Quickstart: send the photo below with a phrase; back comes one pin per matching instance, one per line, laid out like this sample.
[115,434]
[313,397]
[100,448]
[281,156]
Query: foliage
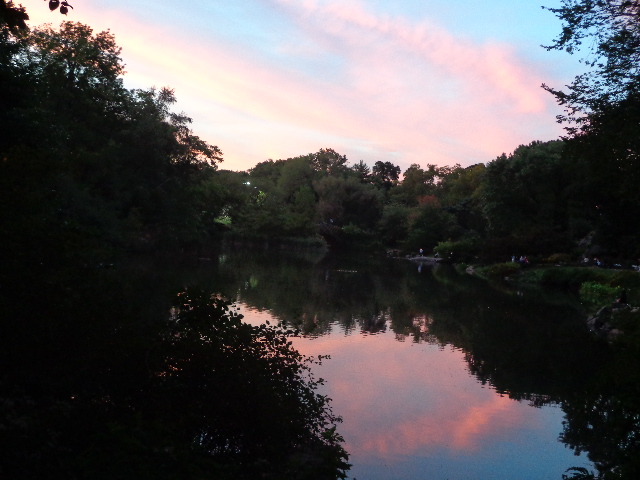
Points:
[462,250]
[12,16]
[609,147]
[565,278]
[394,224]
[344,201]
[89,165]
[578,473]
[556,258]
[386,173]
[500,270]
[328,161]
[64,6]
[597,294]
[602,111]
[528,189]
[353,237]
[572,278]
[122,382]
[289,429]
[428,224]
[417,182]
[610,31]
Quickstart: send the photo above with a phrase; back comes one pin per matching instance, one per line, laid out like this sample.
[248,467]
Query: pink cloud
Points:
[401,91]
[491,65]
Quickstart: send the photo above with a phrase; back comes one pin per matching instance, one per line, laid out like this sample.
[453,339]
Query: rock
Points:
[613,334]
[599,323]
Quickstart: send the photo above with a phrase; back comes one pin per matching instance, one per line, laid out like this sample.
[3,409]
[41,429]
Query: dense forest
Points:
[90,167]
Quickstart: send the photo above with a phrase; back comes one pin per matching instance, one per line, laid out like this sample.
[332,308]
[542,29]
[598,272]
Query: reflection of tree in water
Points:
[543,354]
[531,347]
[608,430]
[314,296]
[603,419]
[98,383]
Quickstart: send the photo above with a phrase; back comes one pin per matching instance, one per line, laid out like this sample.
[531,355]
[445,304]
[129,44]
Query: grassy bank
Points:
[613,295]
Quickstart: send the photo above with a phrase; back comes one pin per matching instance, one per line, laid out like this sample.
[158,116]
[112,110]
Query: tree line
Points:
[89,166]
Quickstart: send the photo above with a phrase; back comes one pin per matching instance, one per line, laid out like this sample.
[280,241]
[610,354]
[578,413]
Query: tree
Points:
[88,164]
[344,201]
[429,224]
[13,17]
[603,111]
[460,191]
[386,172]
[270,421]
[329,162]
[417,182]
[362,171]
[394,224]
[531,198]
[609,151]
[610,31]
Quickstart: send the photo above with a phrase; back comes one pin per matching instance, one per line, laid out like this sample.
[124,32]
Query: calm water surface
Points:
[437,375]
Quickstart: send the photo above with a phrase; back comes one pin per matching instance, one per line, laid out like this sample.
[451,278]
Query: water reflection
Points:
[435,374]
[411,352]
[426,366]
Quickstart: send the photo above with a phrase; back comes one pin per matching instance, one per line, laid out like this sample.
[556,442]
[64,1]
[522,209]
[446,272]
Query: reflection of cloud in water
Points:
[255,316]
[403,399]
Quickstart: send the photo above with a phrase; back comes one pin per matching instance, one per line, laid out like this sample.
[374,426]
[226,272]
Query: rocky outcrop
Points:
[600,323]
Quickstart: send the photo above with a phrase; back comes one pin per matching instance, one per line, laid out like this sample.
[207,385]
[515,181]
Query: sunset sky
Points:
[403,81]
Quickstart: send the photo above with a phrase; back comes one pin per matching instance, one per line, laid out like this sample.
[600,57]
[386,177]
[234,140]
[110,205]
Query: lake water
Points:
[436,375]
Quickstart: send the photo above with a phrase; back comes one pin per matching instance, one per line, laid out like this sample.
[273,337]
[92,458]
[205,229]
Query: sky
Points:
[424,82]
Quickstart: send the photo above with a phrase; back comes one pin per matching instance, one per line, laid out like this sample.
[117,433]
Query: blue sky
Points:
[405,81]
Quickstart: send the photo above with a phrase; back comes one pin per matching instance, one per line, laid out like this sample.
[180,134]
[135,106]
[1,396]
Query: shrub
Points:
[597,294]
[353,237]
[626,279]
[461,250]
[500,270]
[571,277]
[558,258]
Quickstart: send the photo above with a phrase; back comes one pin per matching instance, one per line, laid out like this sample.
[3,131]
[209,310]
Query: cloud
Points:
[340,75]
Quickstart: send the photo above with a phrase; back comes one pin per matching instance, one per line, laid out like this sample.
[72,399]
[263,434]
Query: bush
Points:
[459,251]
[353,237]
[597,294]
[558,258]
[500,270]
[571,277]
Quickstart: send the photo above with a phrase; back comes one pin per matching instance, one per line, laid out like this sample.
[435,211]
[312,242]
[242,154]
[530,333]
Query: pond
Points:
[436,374]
